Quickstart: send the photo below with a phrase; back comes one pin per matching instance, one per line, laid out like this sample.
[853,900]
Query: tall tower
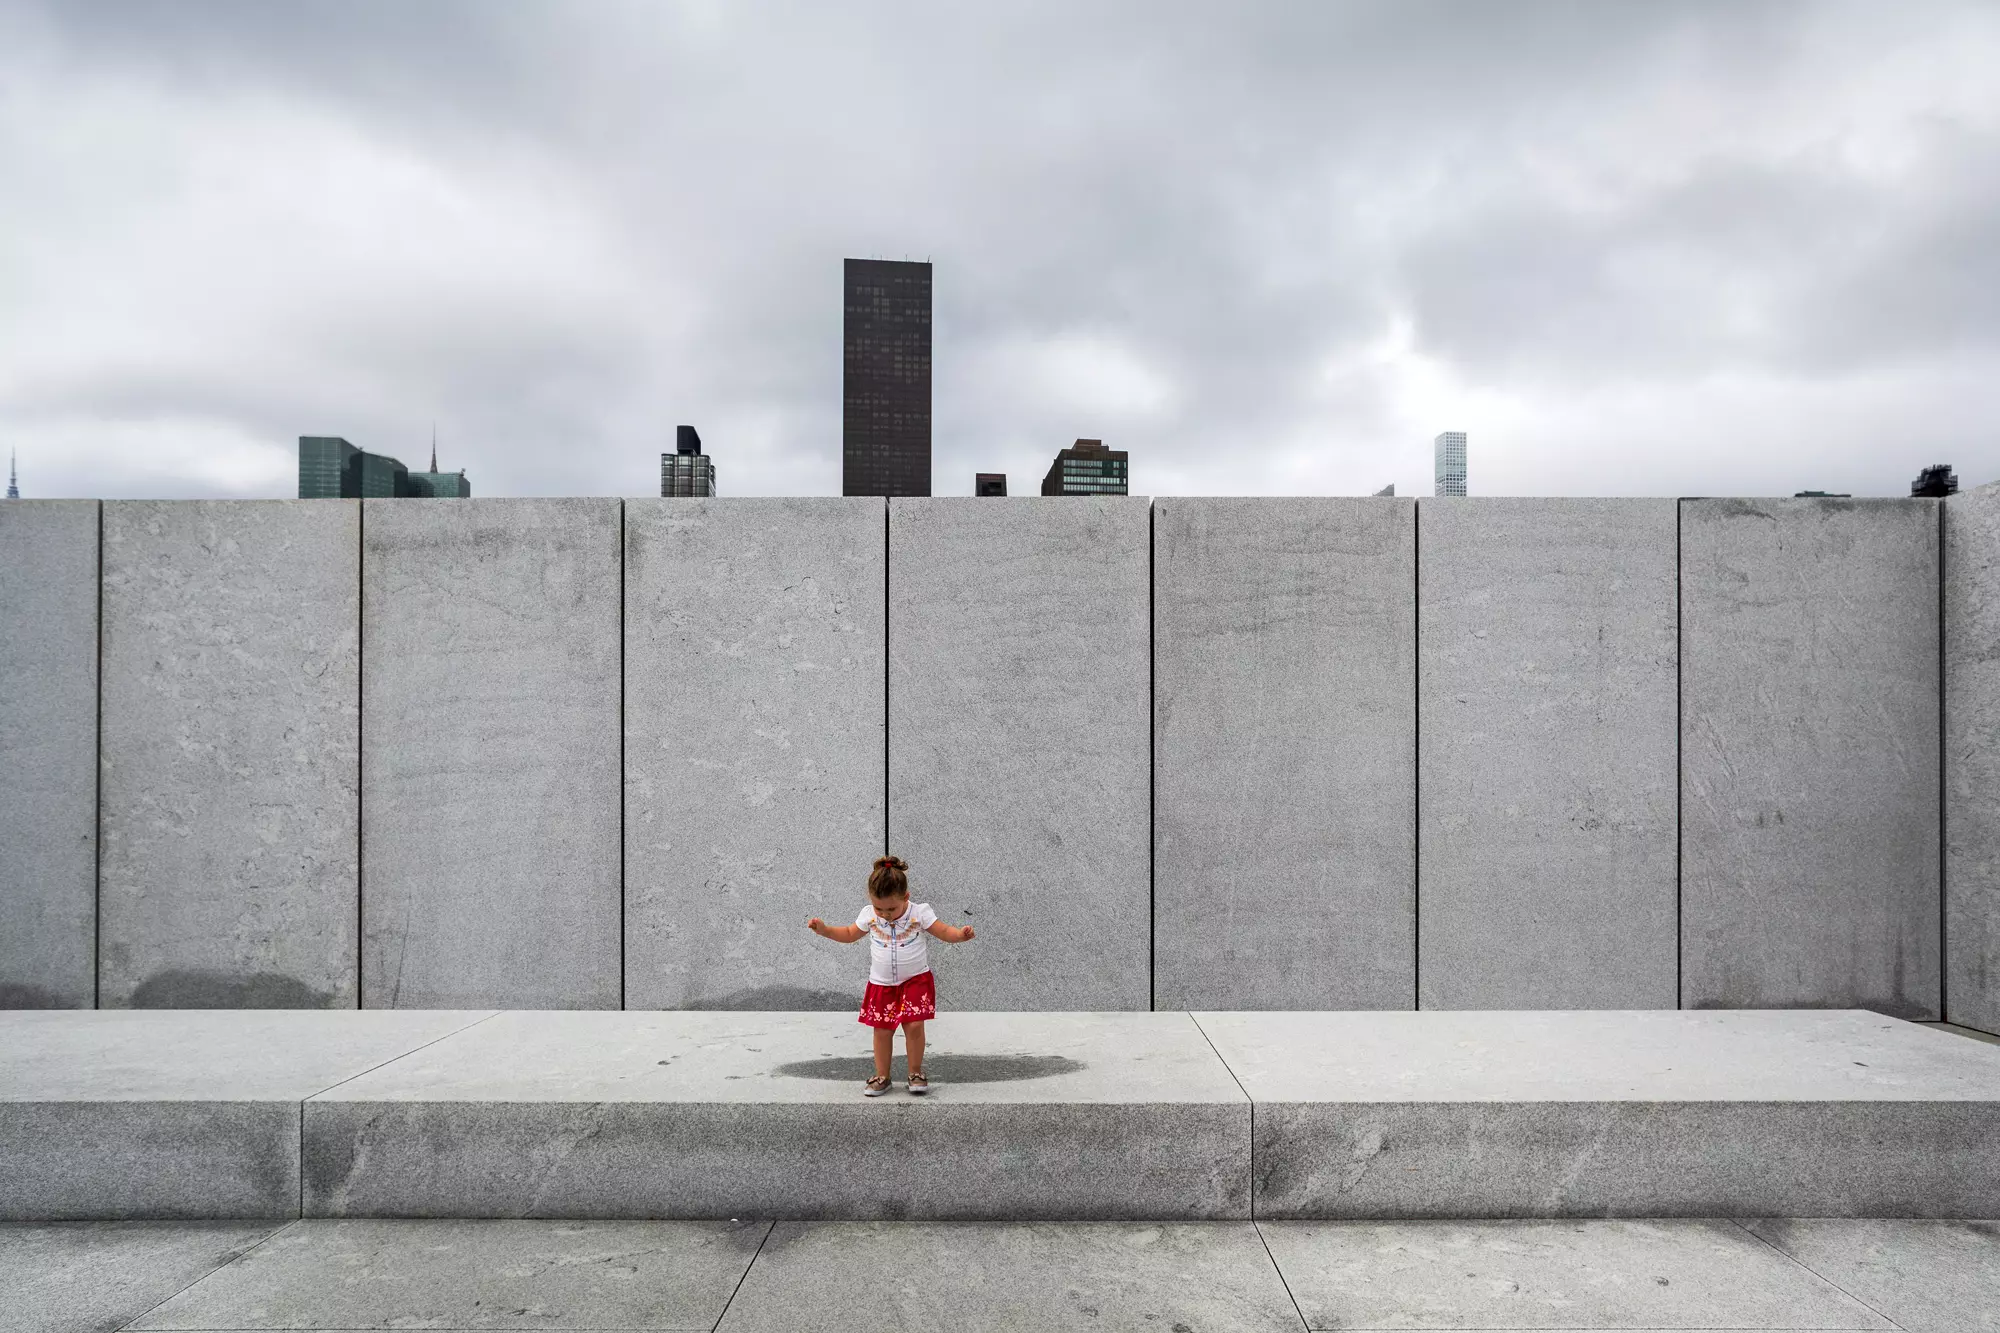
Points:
[13,477]
[885,427]
[1450,463]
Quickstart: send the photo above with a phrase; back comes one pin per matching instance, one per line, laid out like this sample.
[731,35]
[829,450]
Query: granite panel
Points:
[490,754]
[1602,1113]
[679,1114]
[1930,1277]
[1809,754]
[230,810]
[1133,1277]
[1552,1275]
[1019,738]
[92,1277]
[48,754]
[378,1274]
[754,749]
[116,1114]
[1972,758]
[1546,785]
[1284,716]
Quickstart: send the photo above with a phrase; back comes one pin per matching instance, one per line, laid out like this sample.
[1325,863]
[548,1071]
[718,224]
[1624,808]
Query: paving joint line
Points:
[1283,1281]
[769,1227]
[1248,1100]
[1789,1256]
[230,1262]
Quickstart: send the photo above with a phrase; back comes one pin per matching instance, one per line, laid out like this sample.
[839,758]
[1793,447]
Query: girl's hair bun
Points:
[889,878]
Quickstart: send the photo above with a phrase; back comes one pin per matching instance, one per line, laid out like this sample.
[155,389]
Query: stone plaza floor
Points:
[808,1277]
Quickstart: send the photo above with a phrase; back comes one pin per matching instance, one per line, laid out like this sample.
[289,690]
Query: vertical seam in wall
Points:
[1944,814]
[886,503]
[1152,754]
[97,800]
[1680,780]
[1416,756]
[623,540]
[360,748]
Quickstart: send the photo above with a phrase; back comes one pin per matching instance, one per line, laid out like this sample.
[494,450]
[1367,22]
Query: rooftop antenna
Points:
[434,446]
[13,475]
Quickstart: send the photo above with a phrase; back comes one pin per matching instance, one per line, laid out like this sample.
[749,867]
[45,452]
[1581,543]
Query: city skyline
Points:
[1654,232]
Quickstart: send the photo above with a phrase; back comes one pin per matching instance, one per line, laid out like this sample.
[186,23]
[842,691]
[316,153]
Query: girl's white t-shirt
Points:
[899,949]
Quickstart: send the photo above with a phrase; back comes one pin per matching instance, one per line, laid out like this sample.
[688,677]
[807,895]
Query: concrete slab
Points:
[230,728]
[1575,1114]
[1546,789]
[1972,757]
[195,1114]
[741,1115]
[830,1277]
[1285,739]
[1809,743]
[1020,773]
[1929,1277]
[490,738]
[1551,1275]
[87,1277]
[475,1274]
[754,752]
[48,754]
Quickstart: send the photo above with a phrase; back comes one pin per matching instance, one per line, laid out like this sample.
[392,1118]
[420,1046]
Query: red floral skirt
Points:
[910,1002]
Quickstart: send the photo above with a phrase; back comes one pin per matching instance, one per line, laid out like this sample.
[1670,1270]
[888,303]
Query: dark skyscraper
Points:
[1088,468]
[1935,482]
[989,483]
[886,403]
[687,471]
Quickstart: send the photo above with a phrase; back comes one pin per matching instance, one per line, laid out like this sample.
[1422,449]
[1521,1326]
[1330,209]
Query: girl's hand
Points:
[816,926]
[966,934]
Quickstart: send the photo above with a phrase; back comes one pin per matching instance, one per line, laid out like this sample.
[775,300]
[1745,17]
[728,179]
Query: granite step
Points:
[1041,1116]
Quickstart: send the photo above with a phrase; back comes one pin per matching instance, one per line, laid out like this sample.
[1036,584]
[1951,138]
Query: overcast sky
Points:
[1631,248]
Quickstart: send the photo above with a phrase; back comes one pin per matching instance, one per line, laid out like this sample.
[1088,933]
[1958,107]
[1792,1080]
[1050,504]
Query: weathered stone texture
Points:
[1546,651]
[1809,754]
[48,754]
[490,764]
[229,805]
[1285,753]
[1972,758]
[1019,772]
[753,747]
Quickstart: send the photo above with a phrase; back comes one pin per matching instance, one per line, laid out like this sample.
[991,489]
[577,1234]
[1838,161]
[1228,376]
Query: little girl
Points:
[900,990]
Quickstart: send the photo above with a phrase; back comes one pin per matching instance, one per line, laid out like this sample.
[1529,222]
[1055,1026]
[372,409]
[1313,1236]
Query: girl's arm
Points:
[846,934]
[951,934]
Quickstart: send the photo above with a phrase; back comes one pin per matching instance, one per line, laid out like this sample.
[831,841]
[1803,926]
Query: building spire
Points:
[434,446]
[13,475]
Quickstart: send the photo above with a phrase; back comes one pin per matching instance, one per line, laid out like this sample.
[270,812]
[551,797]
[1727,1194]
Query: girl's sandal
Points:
[875,1086]
[919,1085]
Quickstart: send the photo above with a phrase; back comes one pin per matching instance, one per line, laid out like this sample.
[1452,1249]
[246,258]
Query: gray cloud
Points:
[1673,248]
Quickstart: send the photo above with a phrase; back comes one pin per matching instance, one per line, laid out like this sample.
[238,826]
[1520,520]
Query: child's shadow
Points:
[945,1068]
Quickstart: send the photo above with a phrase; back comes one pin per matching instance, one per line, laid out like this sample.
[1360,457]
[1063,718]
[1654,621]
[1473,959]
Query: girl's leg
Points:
[885,1040]
[913,1038]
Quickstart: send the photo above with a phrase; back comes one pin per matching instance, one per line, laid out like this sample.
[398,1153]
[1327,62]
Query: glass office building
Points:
[1088,468]
[1450,448]
[687,471]
[332,469]
[885,426]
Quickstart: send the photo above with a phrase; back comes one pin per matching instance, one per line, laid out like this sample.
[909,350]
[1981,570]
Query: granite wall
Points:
[754,756]
[1546,633]
[1284,732]
[48,754]
[490,779]
[1810,871]
[1972,758]
[1275,753]
[229,801]
[1019,742]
